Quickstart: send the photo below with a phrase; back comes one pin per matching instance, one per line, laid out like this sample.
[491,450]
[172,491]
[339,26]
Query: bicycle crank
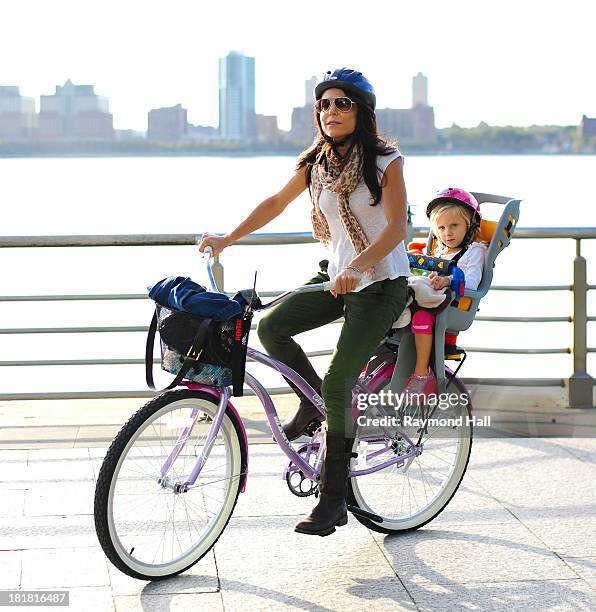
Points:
[300,485]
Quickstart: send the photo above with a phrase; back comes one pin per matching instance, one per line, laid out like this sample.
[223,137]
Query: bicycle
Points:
[170,480]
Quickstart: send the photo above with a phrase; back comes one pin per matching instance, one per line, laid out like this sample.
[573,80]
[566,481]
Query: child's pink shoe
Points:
[419,387]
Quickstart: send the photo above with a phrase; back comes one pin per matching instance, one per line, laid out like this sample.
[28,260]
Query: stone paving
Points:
[518,535]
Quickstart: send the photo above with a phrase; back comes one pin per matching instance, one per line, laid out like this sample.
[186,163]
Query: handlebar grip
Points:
[329,285]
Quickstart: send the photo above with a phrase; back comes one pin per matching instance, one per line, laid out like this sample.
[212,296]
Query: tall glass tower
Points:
[237,97]
[419,90]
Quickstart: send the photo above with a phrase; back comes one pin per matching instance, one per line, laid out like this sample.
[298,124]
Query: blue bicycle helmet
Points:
[350,81]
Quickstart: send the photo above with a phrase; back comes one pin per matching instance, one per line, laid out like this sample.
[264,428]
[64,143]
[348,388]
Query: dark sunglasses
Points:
[342,104]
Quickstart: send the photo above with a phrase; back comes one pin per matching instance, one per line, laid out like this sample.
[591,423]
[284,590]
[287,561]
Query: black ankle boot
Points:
[331,510]
[307,415]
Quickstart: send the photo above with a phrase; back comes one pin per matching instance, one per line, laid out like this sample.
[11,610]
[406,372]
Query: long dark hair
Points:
[366,133]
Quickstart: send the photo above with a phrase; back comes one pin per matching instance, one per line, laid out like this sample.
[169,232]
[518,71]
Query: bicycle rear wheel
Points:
[147,527]
[409,495]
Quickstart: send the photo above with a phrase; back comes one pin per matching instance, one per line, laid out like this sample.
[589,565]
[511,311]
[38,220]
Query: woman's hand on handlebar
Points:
[216,242]
[346,281]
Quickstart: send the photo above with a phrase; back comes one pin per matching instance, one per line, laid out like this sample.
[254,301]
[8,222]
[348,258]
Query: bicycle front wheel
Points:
[409,494]
[147,525]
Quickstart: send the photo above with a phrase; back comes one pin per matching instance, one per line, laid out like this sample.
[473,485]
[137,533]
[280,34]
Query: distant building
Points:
[17,114]
[167,124]
[416,124]
[395,123]
[303,129]
[237,97]
[201,133]
[75,112]
[309,91]
[587,128]
[266,128]
[128,134]
[423,120]
[419,90]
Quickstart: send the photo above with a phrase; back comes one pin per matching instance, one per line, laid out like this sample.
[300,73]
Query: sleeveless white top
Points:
[372,220]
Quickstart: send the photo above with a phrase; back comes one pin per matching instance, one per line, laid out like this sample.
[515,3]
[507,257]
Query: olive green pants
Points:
[368,316]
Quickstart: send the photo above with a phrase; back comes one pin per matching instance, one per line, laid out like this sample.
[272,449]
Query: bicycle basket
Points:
[199,349]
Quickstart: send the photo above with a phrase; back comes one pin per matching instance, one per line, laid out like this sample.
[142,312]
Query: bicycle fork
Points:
[164,481]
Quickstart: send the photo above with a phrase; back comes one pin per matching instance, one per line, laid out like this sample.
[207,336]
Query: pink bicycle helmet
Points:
[455,195]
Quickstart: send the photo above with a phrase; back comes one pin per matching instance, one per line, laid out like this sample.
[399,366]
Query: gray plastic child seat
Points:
[461,313]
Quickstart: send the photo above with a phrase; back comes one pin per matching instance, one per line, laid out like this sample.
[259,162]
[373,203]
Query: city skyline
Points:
[76,110]
[522,64]
[77,117]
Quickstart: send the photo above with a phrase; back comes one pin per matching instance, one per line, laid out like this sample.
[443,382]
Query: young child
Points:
[455,221]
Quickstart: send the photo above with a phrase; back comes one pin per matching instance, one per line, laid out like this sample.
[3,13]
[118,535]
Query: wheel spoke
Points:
[406,499]
[144,521]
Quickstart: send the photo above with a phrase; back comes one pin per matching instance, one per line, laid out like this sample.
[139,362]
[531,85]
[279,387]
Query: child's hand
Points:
[438,282]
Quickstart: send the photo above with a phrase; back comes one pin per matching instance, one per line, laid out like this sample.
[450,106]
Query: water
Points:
[196,194]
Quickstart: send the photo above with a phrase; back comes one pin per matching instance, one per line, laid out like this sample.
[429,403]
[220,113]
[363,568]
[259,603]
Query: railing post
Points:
[218,273]
[580,382]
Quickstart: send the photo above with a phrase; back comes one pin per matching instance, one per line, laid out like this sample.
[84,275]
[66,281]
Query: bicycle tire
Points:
[391,524]
[111,540]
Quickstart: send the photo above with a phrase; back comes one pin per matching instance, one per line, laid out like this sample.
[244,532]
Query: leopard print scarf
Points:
[341,177]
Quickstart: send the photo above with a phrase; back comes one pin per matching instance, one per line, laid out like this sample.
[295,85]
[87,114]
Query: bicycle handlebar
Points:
[326,286]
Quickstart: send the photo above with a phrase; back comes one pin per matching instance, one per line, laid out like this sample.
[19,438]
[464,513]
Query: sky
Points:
[523,62]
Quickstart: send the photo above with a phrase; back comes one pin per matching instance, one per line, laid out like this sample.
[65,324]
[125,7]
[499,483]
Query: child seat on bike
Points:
[460,313]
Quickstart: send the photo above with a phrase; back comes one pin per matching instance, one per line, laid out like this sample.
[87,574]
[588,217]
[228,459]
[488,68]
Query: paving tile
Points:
[48,470]
[490,454]
[49,436]
[458,553]
[91,599]
[200,578]
[470,505]
[64,567]
[59,470]
[584,567]
[180,602]
[47,532]
[515,536]
[335,587]
[12,502]
[541,482]
[13,455]
[521,596]
[95,435]
[98,452]
[10,569]
[270,543]
[15,474]
[267,493]
[568,532]
[57,454]
[582,448]
[60,499]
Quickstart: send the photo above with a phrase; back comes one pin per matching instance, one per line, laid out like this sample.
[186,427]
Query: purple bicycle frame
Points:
[310,471]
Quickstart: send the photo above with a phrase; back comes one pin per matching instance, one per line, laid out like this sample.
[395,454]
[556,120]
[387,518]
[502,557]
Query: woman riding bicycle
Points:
[356,184]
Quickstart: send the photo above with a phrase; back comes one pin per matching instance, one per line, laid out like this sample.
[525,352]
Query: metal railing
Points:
[580,382]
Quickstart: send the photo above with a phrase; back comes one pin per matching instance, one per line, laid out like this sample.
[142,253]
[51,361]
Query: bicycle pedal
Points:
[365,514]
[312,427]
